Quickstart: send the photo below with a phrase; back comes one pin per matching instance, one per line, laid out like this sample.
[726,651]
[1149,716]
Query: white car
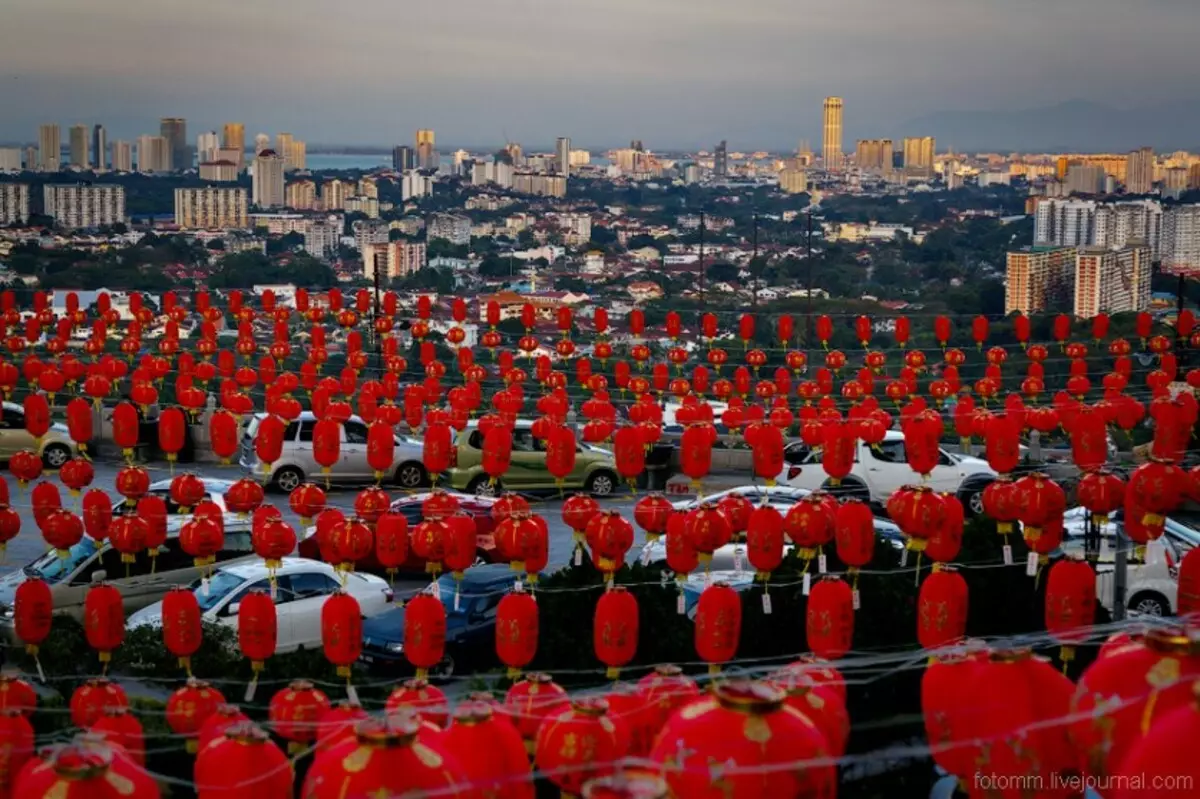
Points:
[297,463]
[1152,587]
[879,472]
[781,496]
[214,491]
[301,588]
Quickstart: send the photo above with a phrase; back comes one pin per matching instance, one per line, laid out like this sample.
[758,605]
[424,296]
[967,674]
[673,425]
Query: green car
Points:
[595,470]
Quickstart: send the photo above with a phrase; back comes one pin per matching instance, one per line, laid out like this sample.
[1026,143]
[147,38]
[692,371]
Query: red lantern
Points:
[942,608]
[307,501]
[33,608]
[1070,603]
[695,453]
[294,712]
[424,633]
[810,524]
[223,433]
[257,632]
[86,767]
[181,629]
[758,739]
[189,707]
[391,541]
[854,535]
[610,536]
[1039,500]
[341,631]
[90,700]
[1159,486]
[830,618]
[1102,493]
[120,727]
[579,744]
[418,696]
[516,631]
[103,619]
[718,625]
[615,629]
[79,422]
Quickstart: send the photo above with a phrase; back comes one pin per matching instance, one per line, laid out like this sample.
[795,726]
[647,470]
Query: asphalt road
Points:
[29,544]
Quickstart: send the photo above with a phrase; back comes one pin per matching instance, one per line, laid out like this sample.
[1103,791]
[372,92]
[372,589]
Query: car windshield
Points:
[447,586]
[220,586]
[53,569]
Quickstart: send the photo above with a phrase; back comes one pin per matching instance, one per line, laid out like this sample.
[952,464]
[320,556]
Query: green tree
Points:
[495,266]
[722,272]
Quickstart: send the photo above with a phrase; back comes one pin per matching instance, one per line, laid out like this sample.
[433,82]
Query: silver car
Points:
[140,583]
[296,464]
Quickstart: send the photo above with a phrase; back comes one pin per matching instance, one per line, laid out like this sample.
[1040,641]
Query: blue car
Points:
[470,628]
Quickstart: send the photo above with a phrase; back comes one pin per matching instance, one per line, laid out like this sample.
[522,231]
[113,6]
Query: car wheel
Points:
[55,455]
[287,479]
[445,669]
[972,500]
[601,484]
[482,486]
[411,475]
[1150,604]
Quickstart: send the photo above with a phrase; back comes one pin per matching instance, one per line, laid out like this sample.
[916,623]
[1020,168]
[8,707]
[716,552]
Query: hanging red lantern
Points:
[615,629]
[189,707]
[391,541]
[830,618]
[942,608]
[1039,500]
[1101,492]
[810,524]
[171,428]
[1070,604]
[424,633]
[516,631]
[33,609]
[103,620]
[90,700]
[651,513]
[341,631]
[223,434]
[257,632]
[764,542]
[718,729]
[718,625]
[1159,486]
[294,712]
[181,629]
[579,744]
[79,422]
[307,501]
[86,767]
[120,727]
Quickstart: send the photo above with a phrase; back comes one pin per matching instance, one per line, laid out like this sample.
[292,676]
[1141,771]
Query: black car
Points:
[470,627]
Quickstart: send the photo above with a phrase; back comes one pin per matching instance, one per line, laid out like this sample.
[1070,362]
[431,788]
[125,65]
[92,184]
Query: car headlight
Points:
[397,648]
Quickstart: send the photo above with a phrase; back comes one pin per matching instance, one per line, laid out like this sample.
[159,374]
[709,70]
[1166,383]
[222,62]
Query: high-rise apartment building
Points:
[1194,176]
[268,185]
[122,156]
[1112,280]
[220,171]
[49,148]
[393,259]
[562,149]
[153,154]
[831,138]
[99,148]
[1175,182]
[207,144]
[1039,279]
[233,136]
[14,203]
[262,142]
[1139,171]
[402,158]
[1084,179]
[919,153]
[721,160]
[1181,240]
[174,130]
[333,194]
[31,158]
[301,195]
[321,239]
[427,157]
[78,147]
[297,156]
[874,155]
[1085,223]
[539,184]
[793,180]
[85,206]
[368,187]
[10,159]
[1064,223]
[414,183]
[211,208]
[451,227]
[283,143]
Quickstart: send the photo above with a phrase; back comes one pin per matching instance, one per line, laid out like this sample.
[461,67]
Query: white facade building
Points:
[14,203]
[10,159]
[85,206]
[415,184]
[1181,240]
[454,229]
[268,184]
[211,208]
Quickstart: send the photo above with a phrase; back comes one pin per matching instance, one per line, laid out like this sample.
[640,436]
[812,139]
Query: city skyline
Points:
[476,84]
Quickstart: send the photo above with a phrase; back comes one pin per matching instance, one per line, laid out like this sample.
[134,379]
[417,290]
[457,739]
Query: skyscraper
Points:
[174,130]
[268,185]
[1040,279]
[562,148]
[831,139]
[153,154]
[918,156]
[874,154]
[233,136]
[283,146]
[207,144]
[402,158]
[84,205]
[99,147]
[721,160]
[426,154]
[79,146]
[1112,280]
[122,156]
[297,155]
[49,148]
[1139,171]
[262,142]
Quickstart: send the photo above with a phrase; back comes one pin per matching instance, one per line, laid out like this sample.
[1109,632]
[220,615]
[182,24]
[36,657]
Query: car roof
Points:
[520,423]
[307,416]
[257,569]
[213,485]
[464,499]
[489,574]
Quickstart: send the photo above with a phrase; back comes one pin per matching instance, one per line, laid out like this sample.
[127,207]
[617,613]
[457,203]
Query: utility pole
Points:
[703,298]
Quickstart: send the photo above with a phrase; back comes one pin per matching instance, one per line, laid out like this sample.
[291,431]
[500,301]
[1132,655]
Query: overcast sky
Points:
[674,73]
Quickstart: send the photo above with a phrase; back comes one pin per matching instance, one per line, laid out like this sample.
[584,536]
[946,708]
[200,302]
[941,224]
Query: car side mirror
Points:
[99,576]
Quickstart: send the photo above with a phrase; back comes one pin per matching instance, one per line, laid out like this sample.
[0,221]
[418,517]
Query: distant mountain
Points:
[1076,125]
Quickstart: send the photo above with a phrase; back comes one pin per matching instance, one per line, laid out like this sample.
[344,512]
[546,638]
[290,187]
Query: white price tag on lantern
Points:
[856,599]
[679,605]
[457,603]
[204,587]
[519,586]
[578,556]
[250,687]
[766,604]
[1031,565]
[274,590]
[903,557]
[1008,561]
[737,560]
[645,556]
[807,583]
[352,694]
[435,589]
[821,563]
